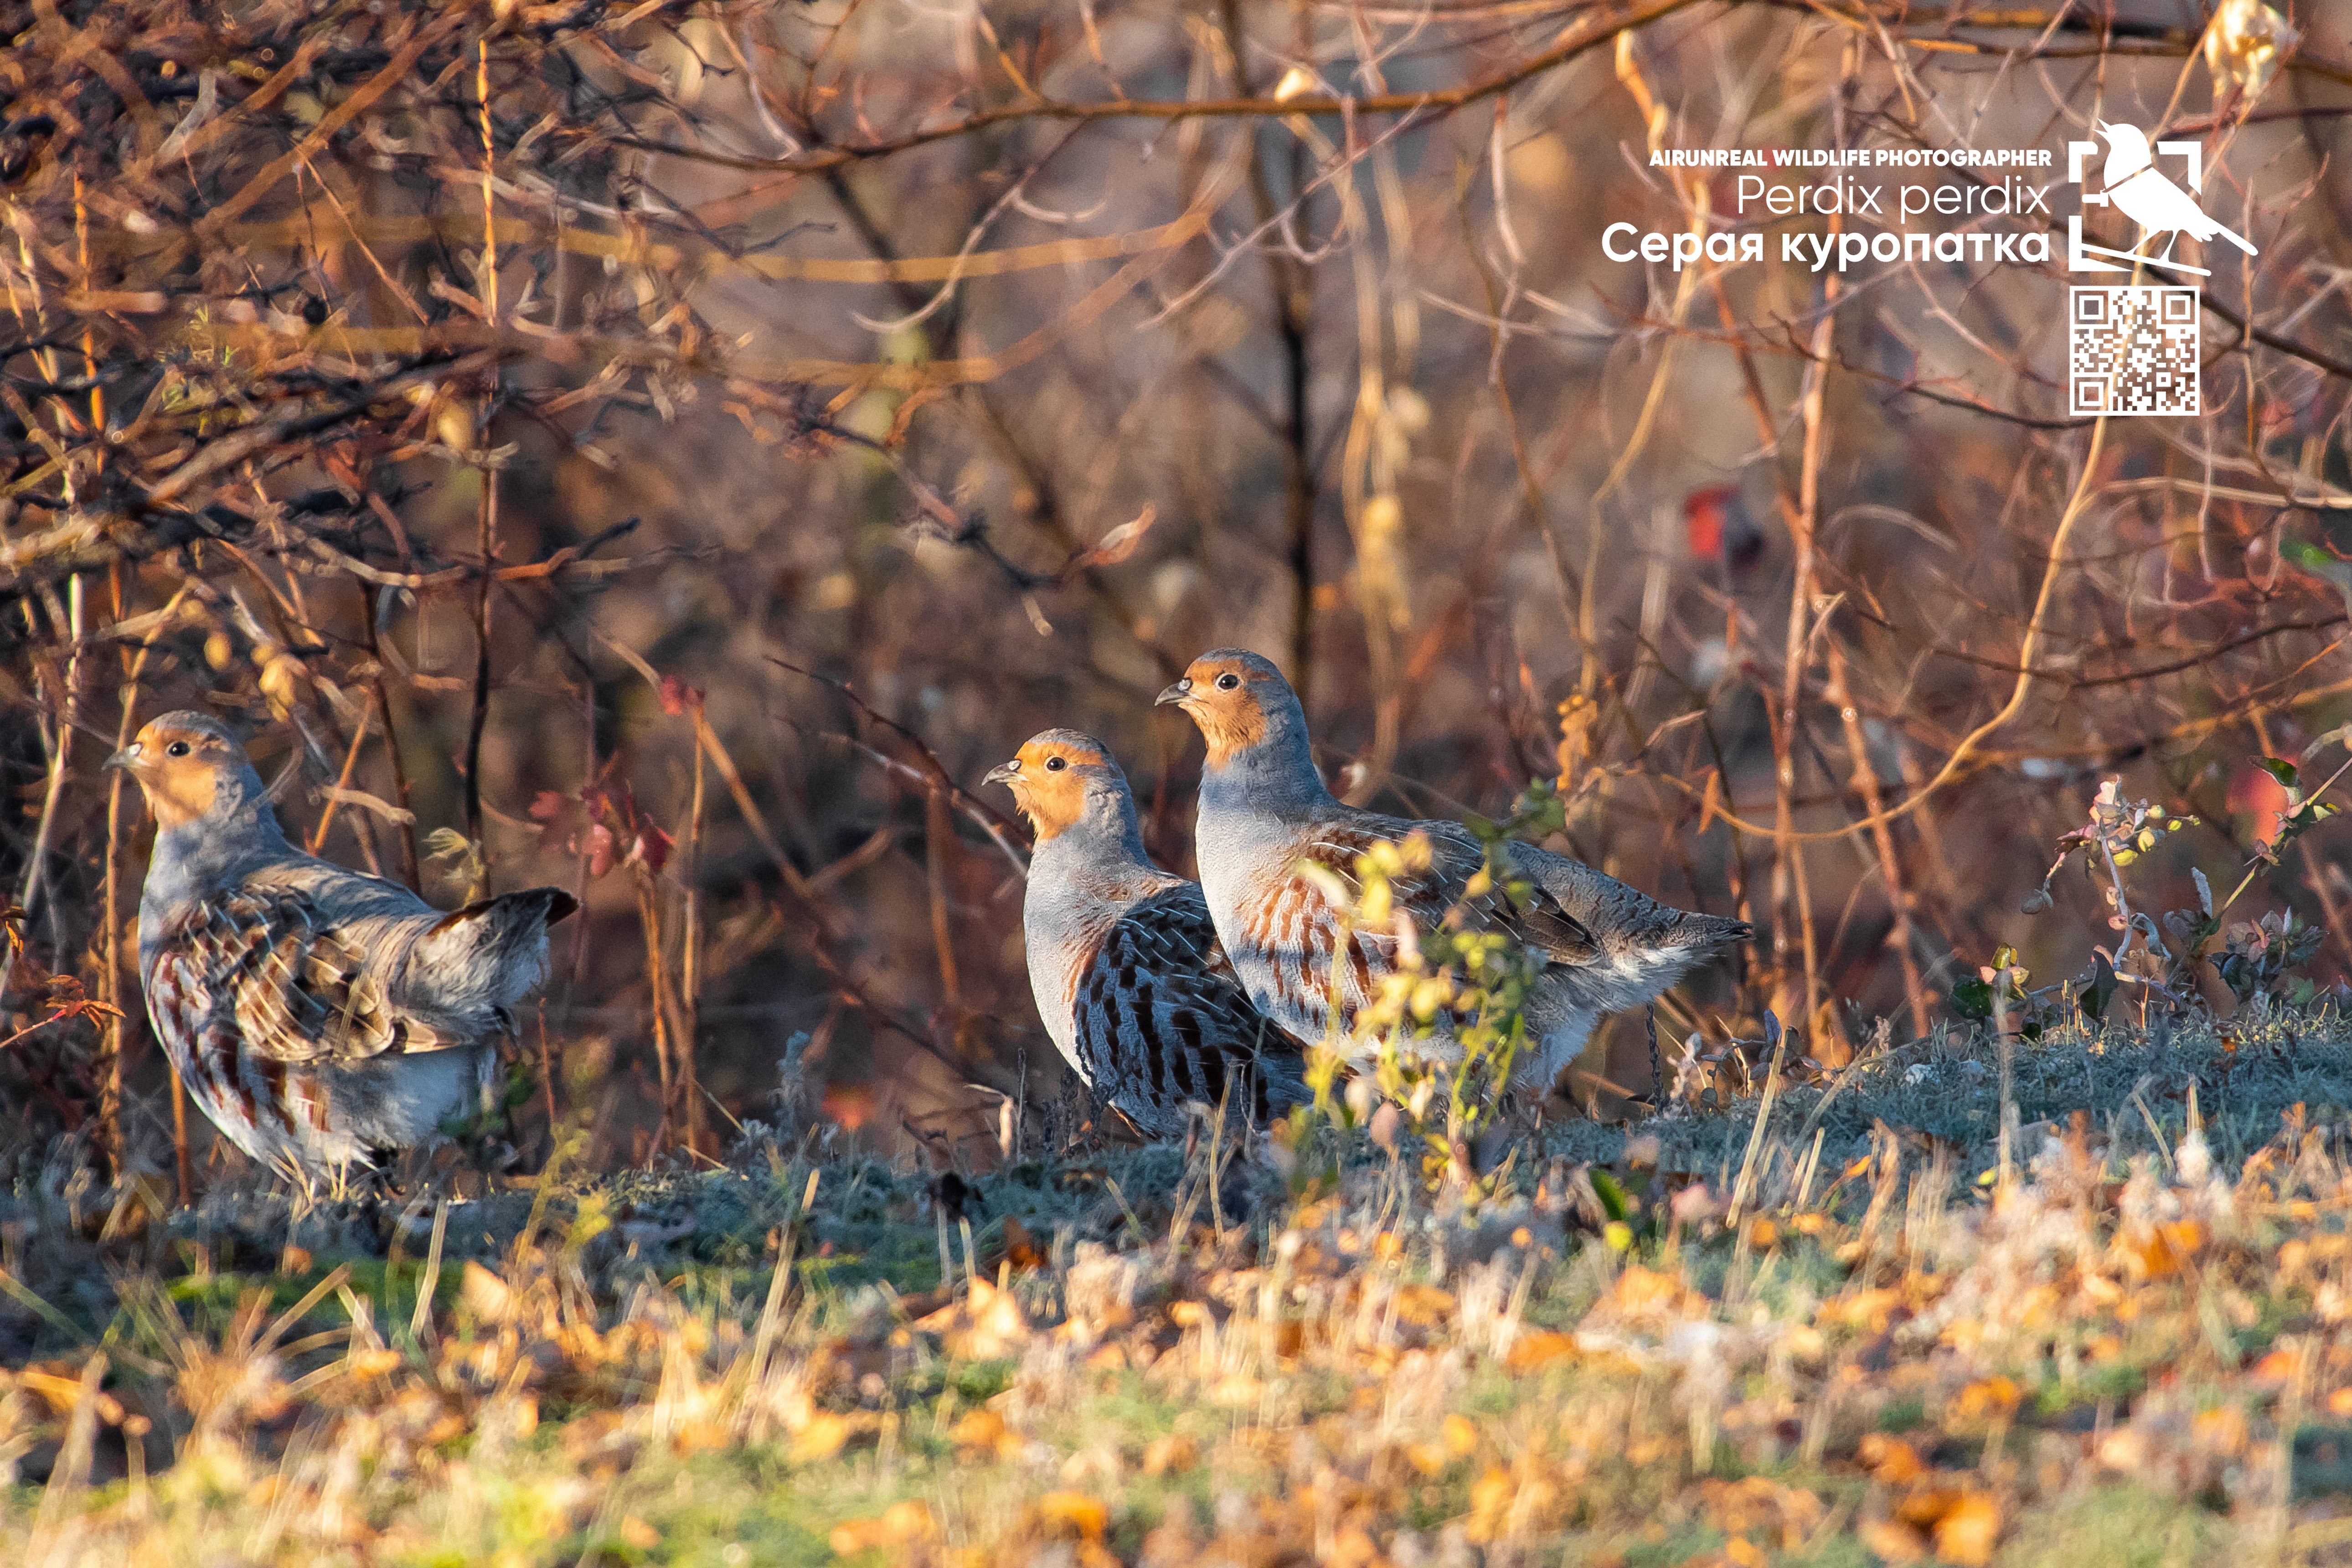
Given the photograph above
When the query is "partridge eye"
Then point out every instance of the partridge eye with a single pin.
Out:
(1054, 765)
(176, 749)
(1228, 680)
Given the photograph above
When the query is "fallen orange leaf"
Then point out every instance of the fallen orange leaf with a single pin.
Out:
(1898, 1543)
(1163, 1455)
(1423, 1305)
(984, 1435)
(2167, 1249)
(1994, 1398)
(1072, 1513)
(987, 1325)
(820, 1438)
(1640, 1289)
(1539, 1349)
(900, 1524)
(63, 1394)
(701, 1436)
(1236, 1390)
(375, 1363)
(1890, 1460)
(1927, 1509)
(1019, 1247)
(2221, 1430)
(1756, 1503)
(1503, 1501)
(1965, 1534)
(1871, 1310)
(981, 1430)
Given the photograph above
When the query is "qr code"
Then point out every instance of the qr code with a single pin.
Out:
(2133, 350)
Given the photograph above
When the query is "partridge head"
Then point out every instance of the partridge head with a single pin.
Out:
(187, 765)
(1061, 780)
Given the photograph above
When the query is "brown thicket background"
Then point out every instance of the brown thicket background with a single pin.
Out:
(676, 447)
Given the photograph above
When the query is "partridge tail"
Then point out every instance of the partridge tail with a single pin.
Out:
(1642, 946)
(1655, 958)
(1625, 921)
(1705, 936)
(487, 955)
(1633, 967)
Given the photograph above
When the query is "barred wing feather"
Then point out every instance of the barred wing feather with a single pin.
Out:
(267, 1010)
(1161, 1019)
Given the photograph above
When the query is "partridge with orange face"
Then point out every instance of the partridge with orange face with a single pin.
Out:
(317, 1015)
(1123, 961)
(1264, 810)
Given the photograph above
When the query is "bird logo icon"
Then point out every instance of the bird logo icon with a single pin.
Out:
(2134, 185)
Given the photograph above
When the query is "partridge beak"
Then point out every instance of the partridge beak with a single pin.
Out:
(126, 758)
(1176, 693)
(1003, 773)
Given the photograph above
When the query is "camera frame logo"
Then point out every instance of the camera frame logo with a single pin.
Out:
(2132, 349)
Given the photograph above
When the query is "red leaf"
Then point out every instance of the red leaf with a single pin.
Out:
(1703, 523)
(1719, 527)
(678, 696)
(600, 850)
(2257, 794)
(653, 845)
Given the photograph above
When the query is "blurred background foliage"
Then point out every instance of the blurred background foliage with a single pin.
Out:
(673, 449)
